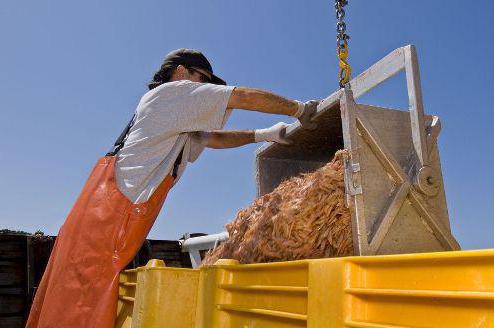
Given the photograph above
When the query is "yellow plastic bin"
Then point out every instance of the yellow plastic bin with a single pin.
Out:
(447, 289)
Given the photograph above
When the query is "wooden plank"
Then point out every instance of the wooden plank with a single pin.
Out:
(12, 304)
(356, 201)
(30, 271)
(384, 69)
(444, 237)
(13, 249)
(12, 291)
(383, 224)
(12, 273)
(380, 149)
(12, 321)
(416, 104)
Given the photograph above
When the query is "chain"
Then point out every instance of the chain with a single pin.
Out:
(345, 70)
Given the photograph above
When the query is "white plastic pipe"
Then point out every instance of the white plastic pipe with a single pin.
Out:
(196, 244)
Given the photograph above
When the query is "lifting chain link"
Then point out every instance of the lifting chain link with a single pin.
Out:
(345, 70)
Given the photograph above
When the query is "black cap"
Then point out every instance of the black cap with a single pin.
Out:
(192, 58)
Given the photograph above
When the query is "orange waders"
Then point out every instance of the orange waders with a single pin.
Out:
(101, 235)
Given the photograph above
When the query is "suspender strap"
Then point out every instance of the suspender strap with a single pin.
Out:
(177, 163)
(119, 143)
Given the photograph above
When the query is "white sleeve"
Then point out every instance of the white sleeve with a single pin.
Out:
(197, 145)
(197, 106)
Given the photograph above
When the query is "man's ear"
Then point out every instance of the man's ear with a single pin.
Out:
(180, 71)
(181, 68)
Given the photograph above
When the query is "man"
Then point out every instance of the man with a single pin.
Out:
(182, 113)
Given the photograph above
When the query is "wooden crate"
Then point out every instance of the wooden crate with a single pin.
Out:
(14, 280)
(23, 259)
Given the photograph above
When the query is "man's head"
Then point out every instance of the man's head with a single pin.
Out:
(185, 64)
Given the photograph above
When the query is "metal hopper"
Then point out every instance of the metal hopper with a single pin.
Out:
(393, 179)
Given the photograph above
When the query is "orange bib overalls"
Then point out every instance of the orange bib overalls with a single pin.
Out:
(101, 235)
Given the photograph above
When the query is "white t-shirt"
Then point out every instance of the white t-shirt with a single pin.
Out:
(165, 117)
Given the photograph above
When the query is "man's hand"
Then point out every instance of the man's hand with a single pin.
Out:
(276, 133)
(305, 114)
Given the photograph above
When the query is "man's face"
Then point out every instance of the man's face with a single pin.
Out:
(199, 75)
(192, 74)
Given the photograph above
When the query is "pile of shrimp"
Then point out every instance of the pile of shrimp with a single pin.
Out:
(304, 217)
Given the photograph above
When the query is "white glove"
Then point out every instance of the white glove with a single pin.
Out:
(276, 133)
(305, 113)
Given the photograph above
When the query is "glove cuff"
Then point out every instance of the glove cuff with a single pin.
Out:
(260, 135)
(300, 110)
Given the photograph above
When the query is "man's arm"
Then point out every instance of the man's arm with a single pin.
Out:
(232, 139)
(262, 101)
(267, 102)
(225, 139)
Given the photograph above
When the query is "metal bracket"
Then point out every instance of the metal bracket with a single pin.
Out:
(351, 168)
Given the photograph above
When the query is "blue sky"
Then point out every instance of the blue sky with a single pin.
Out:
(72, 73)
